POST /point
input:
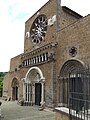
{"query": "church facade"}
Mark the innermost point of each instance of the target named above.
(56, 44)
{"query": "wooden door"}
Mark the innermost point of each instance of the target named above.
(37, 93)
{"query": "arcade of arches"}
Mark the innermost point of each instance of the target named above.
(34, 84)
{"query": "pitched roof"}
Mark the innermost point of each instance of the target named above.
(69, 11)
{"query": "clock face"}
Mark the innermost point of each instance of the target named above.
(38, 29)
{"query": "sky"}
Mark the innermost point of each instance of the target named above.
(13, 15)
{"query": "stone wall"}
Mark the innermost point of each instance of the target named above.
(61, 114)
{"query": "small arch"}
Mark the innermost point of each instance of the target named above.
(14, 82)
(15, 85)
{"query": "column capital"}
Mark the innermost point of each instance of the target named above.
(42, 79)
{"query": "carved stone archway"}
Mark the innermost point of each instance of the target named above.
(34, 86)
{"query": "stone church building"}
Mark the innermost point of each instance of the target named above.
(56, 46)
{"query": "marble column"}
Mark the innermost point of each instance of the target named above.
(42, 94)
(24, 88)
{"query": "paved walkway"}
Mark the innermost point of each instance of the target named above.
(12, 111)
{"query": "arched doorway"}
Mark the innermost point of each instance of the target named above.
(71, 83)
(37, 93)
(15, 85)
(34, 86)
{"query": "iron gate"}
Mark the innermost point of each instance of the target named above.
(79, 95)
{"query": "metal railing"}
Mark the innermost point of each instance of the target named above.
(79, 95)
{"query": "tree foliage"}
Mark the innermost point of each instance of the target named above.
(2, 75)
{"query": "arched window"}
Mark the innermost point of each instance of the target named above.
(71, 83)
